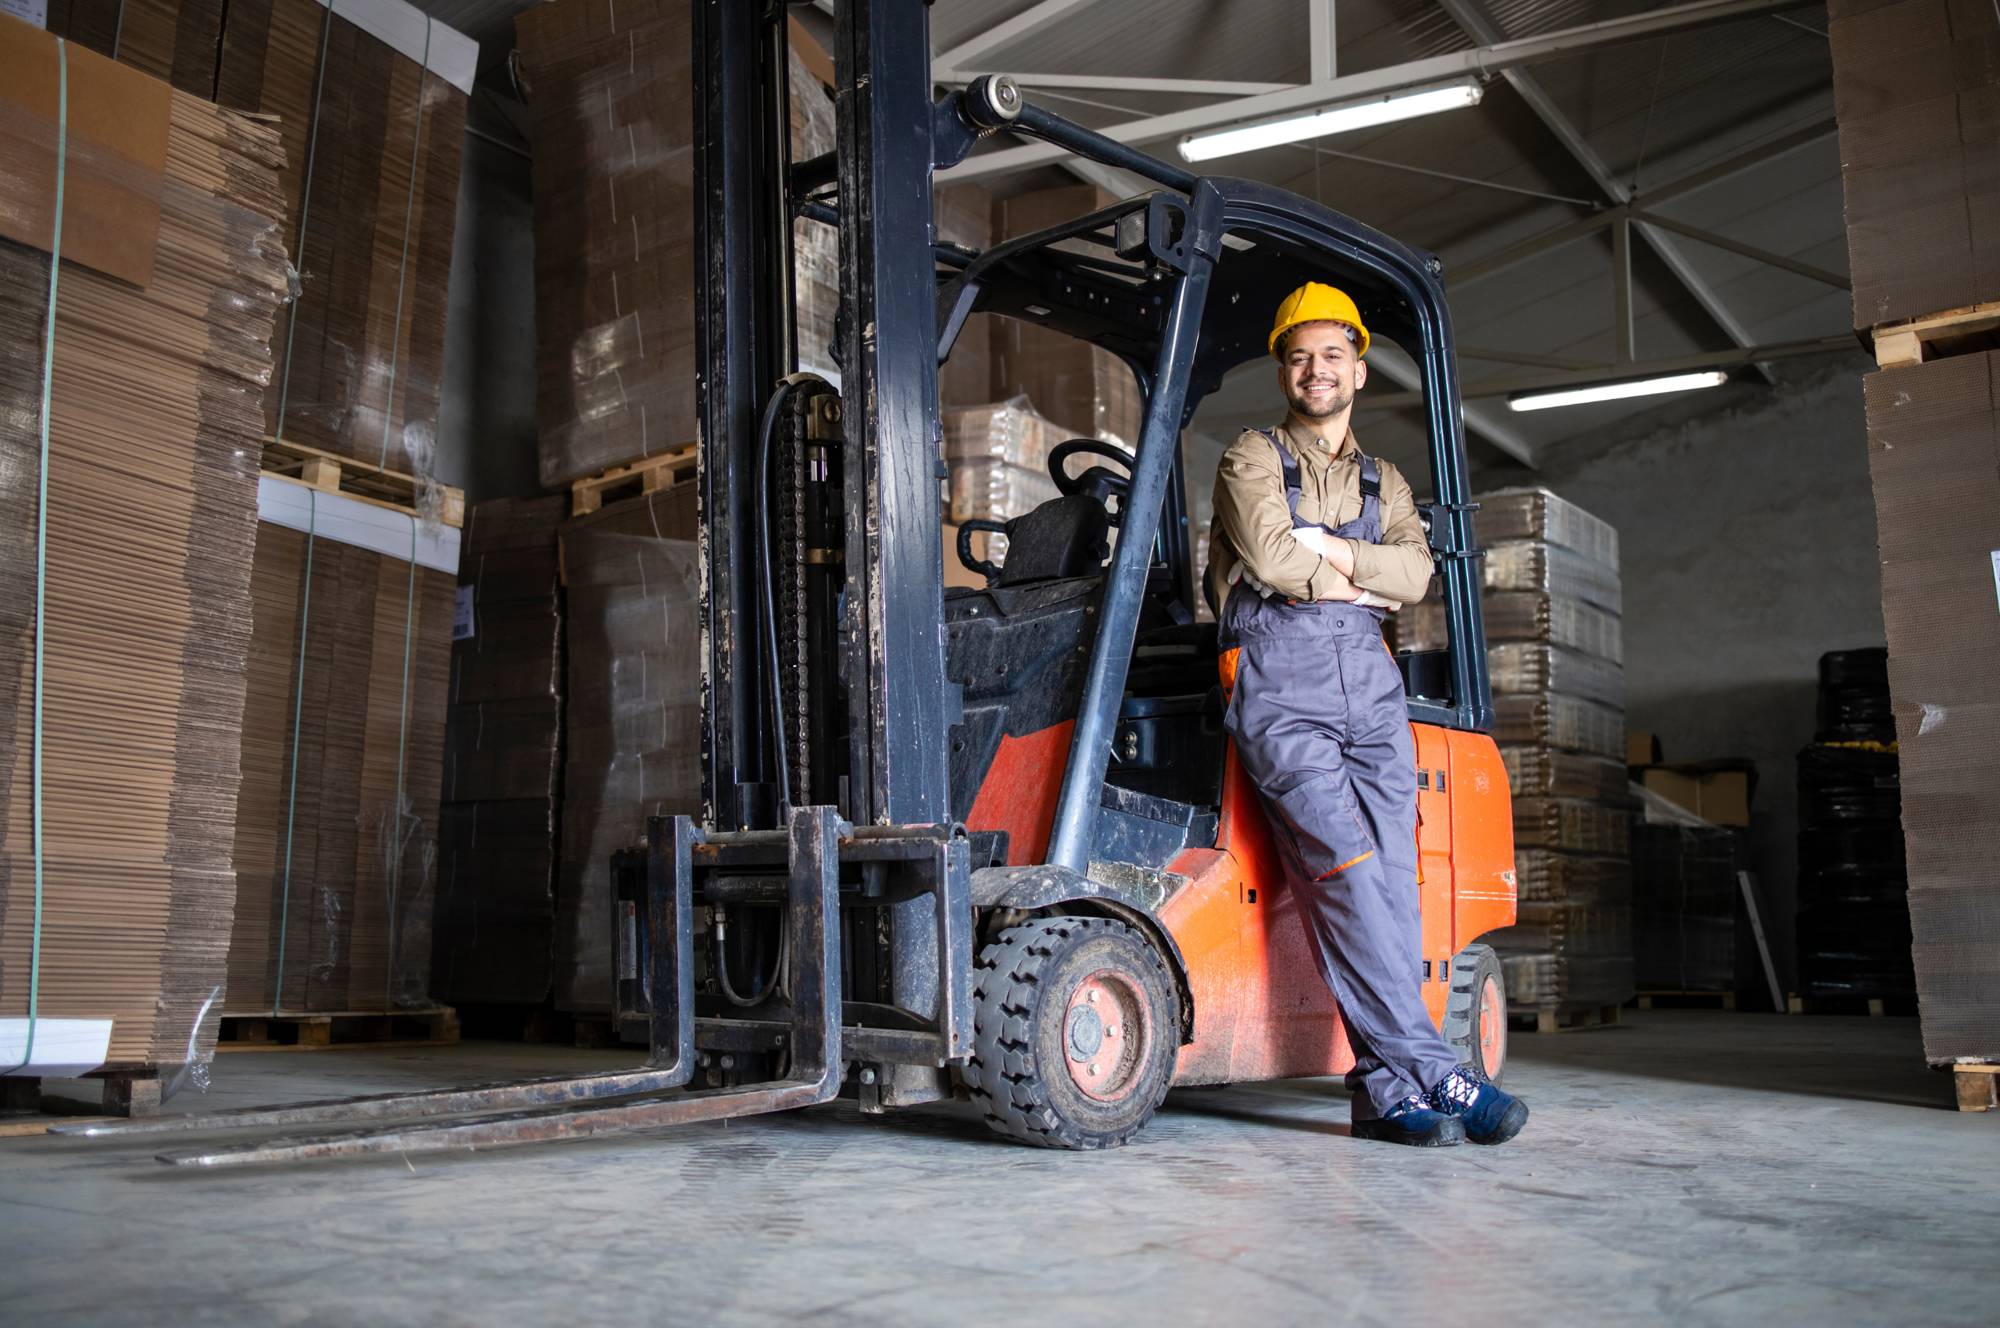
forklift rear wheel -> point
(1475, 1018)
(1074, 1032)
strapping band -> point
(42, 536)
(403, 262)
(298, 704)
(305, 212)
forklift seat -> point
(1064, 537)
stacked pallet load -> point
(1916, 85)
(124, 642)
(997, 460)
(632, 730)
(1853, 924)
(371, 100)
(343, 756)
(1555, 653)
(612, 121)
(495, 924)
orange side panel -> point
(1482, 837)
(1020, 791)
(1434, 861)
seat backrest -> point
(1063, 537)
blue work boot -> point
(1489, 1114)
(1412, 1121)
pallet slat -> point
(1953, 332)
(1564, 1018)
(330, 473)
(332, 1030)
(646, 475)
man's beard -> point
(1336, 402)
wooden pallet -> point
(1563, 1018)
(434, 1026)
(391, 489)
(1875, 1007)
(1954, 332)
(1978, 1086)
(646, 475)
(126, 1090)
(1686, 1000)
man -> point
(1312, 542)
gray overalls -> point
(1321, 725)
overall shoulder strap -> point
(1287, 463)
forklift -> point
(986, 843)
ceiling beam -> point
(1491, 425)
(1481, 60)
(1000, 34)
(1825, 276)
(1185, 87)
(1324, 36)
(1461, 275)
(1479, 25)
(1487, 388)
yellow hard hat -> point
(1315, 302)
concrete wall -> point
(1748, 543)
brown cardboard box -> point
(1642, 748)
(1718, 796)
(1934, 456)
(964, 215)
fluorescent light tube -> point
(1638, 387)
(1333, 120)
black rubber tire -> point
(1022, 985)
(1471, 967)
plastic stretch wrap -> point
(1526, 666)
(1539, 772)
(153, 439)
(1526, 565)
(343, 745)
(611, 121)
(1548, 876)
(996, 491)
(634, 730)
(1685, 897)
(1548, 979)
(495, 930)
(1571, 824)
(1006, 431)
(1565, 722)
(1538, 515)
(1522, 615)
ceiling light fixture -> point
(1332, 120)
(1638, 387)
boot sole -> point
(1443, 1136)
(1510, 1125)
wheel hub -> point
(1107, 1035)
(1492, 1027)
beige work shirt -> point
(1253, 525)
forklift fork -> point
(531, 1111)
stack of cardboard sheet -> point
(343, 738)
(371, 98)
(1934, 454)
(495, 924)
(173, 272)
(1555, 655)
(612, 121)
(633, 729)
(1916, 84)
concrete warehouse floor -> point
(1688, 1167)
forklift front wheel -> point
(1475, 1018)
(1074, 1032)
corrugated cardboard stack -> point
(633, 729)
(1916, 85)
(173, 272)
(612, 120)
(1934, 455)
(495, 926)
(371, 102)
(1555, 653)
(343, 745)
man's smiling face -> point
(1320, 372)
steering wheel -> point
(1097, 481)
